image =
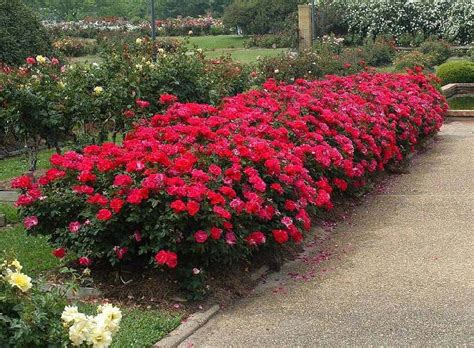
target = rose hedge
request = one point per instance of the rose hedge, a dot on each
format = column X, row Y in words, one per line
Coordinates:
column 199, row 186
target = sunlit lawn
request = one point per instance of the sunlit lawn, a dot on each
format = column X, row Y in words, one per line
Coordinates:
column 15, row 166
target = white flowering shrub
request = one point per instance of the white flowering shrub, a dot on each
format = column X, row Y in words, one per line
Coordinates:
column 452, row 20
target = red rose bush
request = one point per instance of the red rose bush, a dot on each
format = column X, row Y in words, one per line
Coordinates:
column 199, row 186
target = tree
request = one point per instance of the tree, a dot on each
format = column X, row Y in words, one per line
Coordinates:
column 21, row 33
column 260, row 16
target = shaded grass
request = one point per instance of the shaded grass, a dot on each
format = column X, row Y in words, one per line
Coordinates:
column 18, row 165
column 461, row 103
column 92, row 58
column 34, row 253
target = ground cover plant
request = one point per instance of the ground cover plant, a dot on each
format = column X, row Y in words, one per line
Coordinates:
column 198, row 187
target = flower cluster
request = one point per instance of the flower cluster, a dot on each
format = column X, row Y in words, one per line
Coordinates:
column 10, row 272
column 200, row 185
column 96, row 331
column 191, row 26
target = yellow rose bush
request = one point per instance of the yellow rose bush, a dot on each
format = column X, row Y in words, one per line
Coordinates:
column 33, row 317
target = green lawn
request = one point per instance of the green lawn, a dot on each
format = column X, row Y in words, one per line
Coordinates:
column 461, row 103
column 218, row 41
column 244, row 55
column 16, row 166
column 85, row 59
column 34, row 253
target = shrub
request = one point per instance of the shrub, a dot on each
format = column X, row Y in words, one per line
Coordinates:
column 281, row 40
column 30, row 317
column 378, row 52
column 439, row 50
column 21, row 34
column 412, row 59
column 198, row 187
column 456, row 72
column 74, row 47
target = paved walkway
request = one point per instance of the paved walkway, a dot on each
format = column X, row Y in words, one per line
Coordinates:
column 399, row 271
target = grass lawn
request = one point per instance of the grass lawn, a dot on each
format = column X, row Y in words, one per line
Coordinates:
column 16, row 166
column 461, row 103
column 246, row 55
column 34, row 253
column 218, row 41
column 215, row 47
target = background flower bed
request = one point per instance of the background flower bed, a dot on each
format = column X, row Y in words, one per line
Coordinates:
column 200, row 187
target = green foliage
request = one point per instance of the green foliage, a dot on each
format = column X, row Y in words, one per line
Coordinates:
column 326, row 58
column 21, row 34
column 261, row 16
column 412, row 59
column 439, row 50
column 378, row 52
column 457, row 71
column 29, row 317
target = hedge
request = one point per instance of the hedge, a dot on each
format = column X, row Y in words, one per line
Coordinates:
column 456, row 72
column 199, row 187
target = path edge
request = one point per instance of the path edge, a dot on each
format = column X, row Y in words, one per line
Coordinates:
column 187, row 328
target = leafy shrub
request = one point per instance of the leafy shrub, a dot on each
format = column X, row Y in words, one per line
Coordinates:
column 439, row 50
column 378, row 52
column 198, row 187
column 412, row 59
column 311, row 64
column 74, row 47
column 21, row 34
column 29, row 317
column 456, row 71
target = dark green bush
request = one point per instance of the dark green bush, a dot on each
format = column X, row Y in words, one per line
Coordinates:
column 439, row 50
column 456, row 71
column 21, row 33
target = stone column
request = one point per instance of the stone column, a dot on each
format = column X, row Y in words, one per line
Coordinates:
column 305, row 26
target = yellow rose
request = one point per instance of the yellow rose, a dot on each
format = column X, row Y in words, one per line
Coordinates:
column 41, row 59
column 98, row 90
column 20, row 280
column 138, row 41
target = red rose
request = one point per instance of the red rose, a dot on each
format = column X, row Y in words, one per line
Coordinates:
column 30, row 222
column 23, row 182
column 104, row 214
column 255, row 238
column 116, row 204
column 31, row 60
column 193, row 207
column 216, row 233
column 168, row 99
column 123, row 180
column 178, row 206
column 168, row 258
column 200, row 236
column 59, row 253
column 142, row 103
column 85, row 261
column 281, row 236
